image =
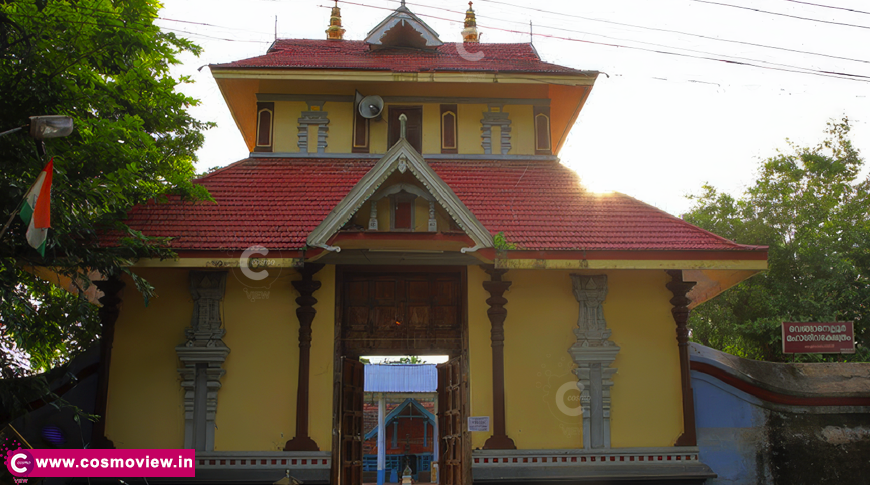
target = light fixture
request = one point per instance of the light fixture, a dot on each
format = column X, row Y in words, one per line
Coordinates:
column 50, row 126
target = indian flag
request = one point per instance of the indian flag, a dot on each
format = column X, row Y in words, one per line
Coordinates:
column 36, row 212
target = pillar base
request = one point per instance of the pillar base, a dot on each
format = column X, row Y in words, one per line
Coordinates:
column 499, row 443
column 382, row 477
column 303, row 443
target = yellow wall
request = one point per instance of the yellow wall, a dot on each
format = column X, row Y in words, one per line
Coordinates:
column 257, row 400
column 287, row 115
column 522, row 129
column 468, row 127
column 542, row 313
column 340, row 139
column 145, row 406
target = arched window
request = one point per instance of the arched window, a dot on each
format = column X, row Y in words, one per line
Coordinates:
column 448, row 129
column 265, row 115
column 542, row 131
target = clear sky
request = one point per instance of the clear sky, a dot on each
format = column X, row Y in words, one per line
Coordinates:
column 675, row 109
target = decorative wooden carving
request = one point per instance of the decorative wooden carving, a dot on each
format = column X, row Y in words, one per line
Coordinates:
column 305, row 313
column 202, row 357
column 593, row 353
column 111, row 300
column 497, row 314
column 402, row 311
column 680, row 311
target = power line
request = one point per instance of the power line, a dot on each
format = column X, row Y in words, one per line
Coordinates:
column 793, row 69
column 830, row 6
column 784, row 14
column 663, row 45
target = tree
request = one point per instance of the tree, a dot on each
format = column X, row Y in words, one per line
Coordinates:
column 810, row 208
column 105, row 64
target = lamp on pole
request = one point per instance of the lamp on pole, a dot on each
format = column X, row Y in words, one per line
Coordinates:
column 40, row 128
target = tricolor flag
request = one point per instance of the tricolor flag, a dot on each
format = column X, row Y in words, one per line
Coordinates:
column 36, row 212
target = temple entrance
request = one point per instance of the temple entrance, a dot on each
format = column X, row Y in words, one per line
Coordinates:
column 401, row 311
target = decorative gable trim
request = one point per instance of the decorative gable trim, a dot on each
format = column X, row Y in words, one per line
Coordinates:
column 395, row 413
column 400, row 17
column 401, row 157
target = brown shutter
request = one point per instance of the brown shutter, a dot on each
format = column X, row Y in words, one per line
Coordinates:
column 265, row 124
column 542, row 131
column 361, row 134
column 448, row 129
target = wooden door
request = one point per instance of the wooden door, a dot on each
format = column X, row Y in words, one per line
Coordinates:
column 452, row 395
column 413, row 127
column 351, row 438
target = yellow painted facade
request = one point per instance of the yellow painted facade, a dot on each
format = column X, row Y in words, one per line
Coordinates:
column 540, row 389
column 257, row 400
column 340, row 135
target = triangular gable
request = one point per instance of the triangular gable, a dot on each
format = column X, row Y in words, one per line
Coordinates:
column 402, row 17
column 395, row 414
column 401, row 157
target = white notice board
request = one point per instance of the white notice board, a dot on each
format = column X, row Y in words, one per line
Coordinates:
column 478, row 423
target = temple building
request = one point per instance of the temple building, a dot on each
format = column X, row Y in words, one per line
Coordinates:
column 404, row 195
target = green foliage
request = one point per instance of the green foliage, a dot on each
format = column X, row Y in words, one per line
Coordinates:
column 811, row 210
column 107, row 65
column 501, row 242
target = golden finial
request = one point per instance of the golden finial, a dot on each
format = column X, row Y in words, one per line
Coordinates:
column 469, row 33
column 335, row 32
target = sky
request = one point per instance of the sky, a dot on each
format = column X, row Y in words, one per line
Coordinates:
column 691, row 91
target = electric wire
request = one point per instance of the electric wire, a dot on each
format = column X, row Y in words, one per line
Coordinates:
column 829, row 6
column 844, row 24
column 656, row 29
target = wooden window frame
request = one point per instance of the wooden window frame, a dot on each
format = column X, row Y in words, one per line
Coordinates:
column 270, row 108
column 539, row 112
column 449, row 109
column 360, row 122
column 403, row 198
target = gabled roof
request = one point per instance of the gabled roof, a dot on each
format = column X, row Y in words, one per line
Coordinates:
column 394, row 414
column 403, row 19
column 401, row 157
column 539, row 205
column 358, row 55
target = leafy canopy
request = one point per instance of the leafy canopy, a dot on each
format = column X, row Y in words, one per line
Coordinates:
column 810, row 208
column 105, row 64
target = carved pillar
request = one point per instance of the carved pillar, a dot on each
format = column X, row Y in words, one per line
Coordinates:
column 497, row 314
column 680, row 311
column 109, row 312
column 317, row 117
column 496, row 117
column 305, row 313
column 202, row 358
column 593, row 353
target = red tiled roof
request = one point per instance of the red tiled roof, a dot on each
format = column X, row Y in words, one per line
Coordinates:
column 356, row 55
column 539, row 205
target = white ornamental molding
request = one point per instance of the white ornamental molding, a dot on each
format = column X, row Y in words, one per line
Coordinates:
column 593, row 353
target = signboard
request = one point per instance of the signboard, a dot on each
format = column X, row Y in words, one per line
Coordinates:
column 818, row 338
column 478, row 423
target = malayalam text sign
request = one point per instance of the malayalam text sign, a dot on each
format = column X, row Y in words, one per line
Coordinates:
column 818, row 338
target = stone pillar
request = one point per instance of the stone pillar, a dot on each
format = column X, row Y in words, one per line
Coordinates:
column 109, row 311
column 202, row 358
column 593, row 353
column 305, row 314
column 680, row 311
column 497, row 314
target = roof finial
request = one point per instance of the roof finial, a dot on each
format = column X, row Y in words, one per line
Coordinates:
column 469, row 33
column 335, row 32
